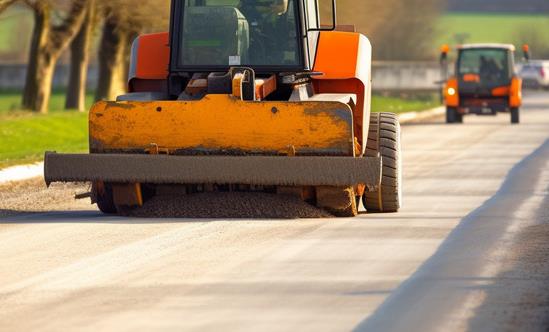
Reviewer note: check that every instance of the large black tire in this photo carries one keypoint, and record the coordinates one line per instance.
(459, 117)
(102, 194)
(384, 138)
(515, 115)
(453, 116)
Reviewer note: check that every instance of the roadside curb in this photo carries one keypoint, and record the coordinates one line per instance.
(416, 116)
(26, 172)
(21, 172)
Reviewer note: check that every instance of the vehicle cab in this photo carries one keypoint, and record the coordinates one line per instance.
(484, 82)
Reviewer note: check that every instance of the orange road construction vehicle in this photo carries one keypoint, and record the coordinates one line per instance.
(243, 95)
(484, 82)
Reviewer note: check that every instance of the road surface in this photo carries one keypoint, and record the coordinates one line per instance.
(475, 204)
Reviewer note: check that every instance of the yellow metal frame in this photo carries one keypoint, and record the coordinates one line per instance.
(223, 123)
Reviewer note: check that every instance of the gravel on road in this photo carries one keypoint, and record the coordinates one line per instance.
(33, 196)
(229, 205)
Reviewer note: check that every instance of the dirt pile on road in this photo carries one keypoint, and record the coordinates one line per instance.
(33, 196)
(228, 205)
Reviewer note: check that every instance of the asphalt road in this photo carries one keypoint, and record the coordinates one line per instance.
(470, 191)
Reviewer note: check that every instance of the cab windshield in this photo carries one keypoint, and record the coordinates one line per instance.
(239, 33)
(484, 66)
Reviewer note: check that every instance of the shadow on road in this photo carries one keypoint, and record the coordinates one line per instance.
(518, 297)
(438, 292)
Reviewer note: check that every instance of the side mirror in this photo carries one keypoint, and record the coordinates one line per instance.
(444, 50)
(526, 51)
(334, 17)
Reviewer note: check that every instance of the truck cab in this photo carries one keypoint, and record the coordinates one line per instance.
(484, 82)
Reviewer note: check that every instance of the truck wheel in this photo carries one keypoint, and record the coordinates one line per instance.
(102, 194)
(384, 138)
(459, 117)
(453, 116)
(515, 115)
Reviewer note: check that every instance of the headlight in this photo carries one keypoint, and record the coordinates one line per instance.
(451, 91)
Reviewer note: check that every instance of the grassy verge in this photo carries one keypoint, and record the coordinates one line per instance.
(402, 104)
(490, 28)
(25, 136)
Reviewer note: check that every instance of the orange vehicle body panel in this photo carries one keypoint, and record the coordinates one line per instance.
(220, 122)
(150, 60)
(515, 93)
(343, 59)
(340, 58)
(471, 78)
(337, 55)
(153, 58)
(451, 100)
(501, 91)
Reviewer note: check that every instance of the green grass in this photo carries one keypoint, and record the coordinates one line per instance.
(403, 104)
(491, 28)
(25, 136)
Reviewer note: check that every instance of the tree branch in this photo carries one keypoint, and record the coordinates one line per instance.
(63, 34)
(4, 4)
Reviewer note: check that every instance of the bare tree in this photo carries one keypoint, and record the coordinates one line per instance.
(125, 20)
(409, 30)
(48, 41)
(113, 53)
(4, 4)
(80, 47)
(398, 29)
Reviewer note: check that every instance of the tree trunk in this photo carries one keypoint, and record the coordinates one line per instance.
(34, 93)
(112, 60)
(76, 89)
(46, 46)
(42, 79)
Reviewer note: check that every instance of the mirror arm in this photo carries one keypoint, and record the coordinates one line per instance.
(334, 20)
(334, 15)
